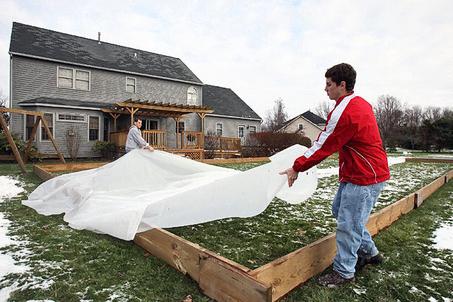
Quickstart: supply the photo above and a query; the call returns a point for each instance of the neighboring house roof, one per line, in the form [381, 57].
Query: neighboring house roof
[227, 103]
[50, 45]
[314, 118]
[45, 101]
[308, 116]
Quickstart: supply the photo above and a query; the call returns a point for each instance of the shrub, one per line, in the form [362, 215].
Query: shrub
[269, 143]
[5, 148]
[107, 149]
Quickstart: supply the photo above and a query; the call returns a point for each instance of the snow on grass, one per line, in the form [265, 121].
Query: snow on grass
[9, 188]
[443, 237]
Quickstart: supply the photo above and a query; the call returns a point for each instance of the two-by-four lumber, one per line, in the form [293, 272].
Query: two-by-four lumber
[49, 134]
[41, 173]
[429, 159]
[235, 160]
[219, 278]
[12, 144]
[426, 191]
[71, 167]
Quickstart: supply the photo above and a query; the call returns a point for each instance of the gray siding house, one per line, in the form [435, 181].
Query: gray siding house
[307, 123]
[77, 81]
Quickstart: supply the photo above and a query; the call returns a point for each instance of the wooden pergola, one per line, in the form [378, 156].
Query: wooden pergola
[146, 108]
[39, 118]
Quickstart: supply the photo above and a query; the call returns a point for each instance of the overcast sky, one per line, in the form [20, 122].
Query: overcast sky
[265, 50]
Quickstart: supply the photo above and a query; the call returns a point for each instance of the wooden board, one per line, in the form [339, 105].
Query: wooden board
[219, 278]
[288, 272]
[236, 160]
[70, 167]
[41, 173]
[429, 160]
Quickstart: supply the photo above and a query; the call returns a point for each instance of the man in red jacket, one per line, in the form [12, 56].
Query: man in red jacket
[352, 130]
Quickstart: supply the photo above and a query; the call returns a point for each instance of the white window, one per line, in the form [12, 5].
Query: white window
[219, 129]
[241, 131]
[66, 117]
[300, 127]
[73, 78]
[93, 128]
[131, 85]
[192, 95]
[252, 129]
[48, 117]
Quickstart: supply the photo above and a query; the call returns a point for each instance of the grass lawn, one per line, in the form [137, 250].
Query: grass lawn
[69, 265]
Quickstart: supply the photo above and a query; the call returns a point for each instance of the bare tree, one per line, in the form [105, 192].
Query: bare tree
[323, 108]
[432, 113]
[412, 120]
[3, 103]
[389, 112]
[73, 142]
[276, 117]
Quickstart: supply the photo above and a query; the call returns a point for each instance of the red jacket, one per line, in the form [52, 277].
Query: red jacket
[352, 130]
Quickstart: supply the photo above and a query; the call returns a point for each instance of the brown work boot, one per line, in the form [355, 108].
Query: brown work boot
[333, 280]
[363, 261]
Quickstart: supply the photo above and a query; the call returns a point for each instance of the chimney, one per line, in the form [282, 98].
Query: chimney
[99, 37]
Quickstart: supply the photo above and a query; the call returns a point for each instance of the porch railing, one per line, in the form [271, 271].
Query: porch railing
[189, 140]
[156, 138]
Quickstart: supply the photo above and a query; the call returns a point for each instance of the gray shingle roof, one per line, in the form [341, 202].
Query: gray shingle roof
[314, 118]
[64, 102]
[225, 102]
[49, 44]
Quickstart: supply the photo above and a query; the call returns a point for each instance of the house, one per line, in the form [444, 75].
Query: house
[92, 89]
[307, 123]
[232, 117]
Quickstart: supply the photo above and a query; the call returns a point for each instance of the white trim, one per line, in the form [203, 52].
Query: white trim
[330, 127]
[192, 101]
[71, 121]
[235, 117]
[10, 105]
[58, 106]
[363, 157]
[135, 84]
[74, 79]
[104, 68]
[99, 128]
[53, 127]
[243, 131]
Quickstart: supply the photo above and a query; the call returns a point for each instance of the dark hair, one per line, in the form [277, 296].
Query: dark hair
[137, 118]
[342, 72]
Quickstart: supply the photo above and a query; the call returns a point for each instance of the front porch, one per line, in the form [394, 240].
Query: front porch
[171, 138]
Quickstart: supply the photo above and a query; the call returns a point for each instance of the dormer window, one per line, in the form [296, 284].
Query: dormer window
[192, 95]
[131, 85]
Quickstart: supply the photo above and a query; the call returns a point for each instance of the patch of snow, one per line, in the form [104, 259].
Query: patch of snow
[443, 237]
[9, 187]
[359, 291]
[432, 299]
[392, 160]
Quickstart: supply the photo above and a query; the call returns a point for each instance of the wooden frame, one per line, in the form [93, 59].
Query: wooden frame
[39, 117]
[225, 280]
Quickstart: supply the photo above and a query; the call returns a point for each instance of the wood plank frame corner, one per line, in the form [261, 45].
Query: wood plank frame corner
[225, 280]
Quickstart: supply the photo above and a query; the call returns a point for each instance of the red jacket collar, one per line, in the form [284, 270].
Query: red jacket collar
[342, 97]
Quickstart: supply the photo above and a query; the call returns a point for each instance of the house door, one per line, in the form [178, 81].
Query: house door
[149, 124]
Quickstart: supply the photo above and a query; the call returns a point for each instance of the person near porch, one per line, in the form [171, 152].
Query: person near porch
[134, 137]
[351, 130]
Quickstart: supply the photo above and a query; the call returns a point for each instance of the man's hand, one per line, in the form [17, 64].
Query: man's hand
[291, 174]
[150, 148]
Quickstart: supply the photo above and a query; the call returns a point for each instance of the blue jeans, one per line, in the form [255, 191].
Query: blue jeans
[352, 207]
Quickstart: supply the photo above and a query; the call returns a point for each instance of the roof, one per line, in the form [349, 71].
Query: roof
[225, 102]
[308, 115]
[314, 118]
[63, 102]
[56, 46]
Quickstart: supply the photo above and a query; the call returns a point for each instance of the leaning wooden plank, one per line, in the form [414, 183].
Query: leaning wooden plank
[41, 173]
[287, 272]
[220, 278]
[12, 144]
[429, 189]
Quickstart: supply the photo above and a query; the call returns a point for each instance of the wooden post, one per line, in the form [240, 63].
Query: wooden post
[202, 116]
[132, 111]
[115, 117]
[32, 137]
[44, 123]
[177, 118]
[12, 144]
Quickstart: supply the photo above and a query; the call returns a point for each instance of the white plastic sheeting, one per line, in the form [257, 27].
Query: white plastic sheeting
[143, 189]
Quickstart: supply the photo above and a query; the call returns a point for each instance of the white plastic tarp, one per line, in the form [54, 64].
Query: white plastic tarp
[143, 189]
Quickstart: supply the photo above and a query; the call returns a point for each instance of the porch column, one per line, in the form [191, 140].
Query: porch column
[132, 111]
[177, 119]
[202, 116]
